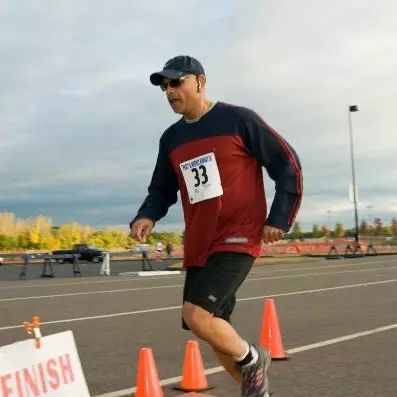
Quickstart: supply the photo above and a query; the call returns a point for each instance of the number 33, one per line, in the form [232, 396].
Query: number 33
[204, 176]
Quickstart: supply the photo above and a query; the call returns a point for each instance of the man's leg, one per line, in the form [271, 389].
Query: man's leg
[219, 279]
[229, 364]
[214, 330]
[225, 311]
[227, 361]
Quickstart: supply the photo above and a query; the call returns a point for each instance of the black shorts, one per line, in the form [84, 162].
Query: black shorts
[213, 286]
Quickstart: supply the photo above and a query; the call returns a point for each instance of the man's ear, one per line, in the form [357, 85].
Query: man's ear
[201, 83]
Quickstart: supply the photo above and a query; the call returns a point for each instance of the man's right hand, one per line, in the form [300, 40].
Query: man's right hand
[141, 229]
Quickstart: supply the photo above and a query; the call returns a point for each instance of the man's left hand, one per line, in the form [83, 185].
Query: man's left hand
[271, 234]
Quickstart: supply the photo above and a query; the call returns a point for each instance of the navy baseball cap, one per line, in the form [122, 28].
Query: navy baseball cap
[177, 67]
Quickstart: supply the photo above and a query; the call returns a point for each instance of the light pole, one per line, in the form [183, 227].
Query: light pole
[329, 220]
[353, 108]
[370, 207]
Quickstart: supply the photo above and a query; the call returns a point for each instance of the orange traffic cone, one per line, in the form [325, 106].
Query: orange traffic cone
[270, 334]
[148, 381]
[193, 375]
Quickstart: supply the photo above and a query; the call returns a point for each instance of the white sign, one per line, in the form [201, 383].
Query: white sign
[202, 178]
[53, 370]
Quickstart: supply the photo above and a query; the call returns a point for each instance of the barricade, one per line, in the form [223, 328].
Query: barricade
[333, 253]
[354, 250]
[371, 251]
[328, 248]
[47, 264]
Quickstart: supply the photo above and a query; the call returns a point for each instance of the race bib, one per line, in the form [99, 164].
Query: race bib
[202, 178]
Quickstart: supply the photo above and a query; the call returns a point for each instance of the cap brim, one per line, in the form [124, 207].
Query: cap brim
[157, 78]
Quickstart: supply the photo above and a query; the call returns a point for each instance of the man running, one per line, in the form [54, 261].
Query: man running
[214, 156]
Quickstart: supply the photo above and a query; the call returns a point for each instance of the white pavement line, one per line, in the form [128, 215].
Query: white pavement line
[159, 273]
[341, 339]
[181, 285]
[324, 267]
[159, 309]
[71, 320]
[300, 349]
[125, 279]
[89, 293]
[323, 273]
[315, 290]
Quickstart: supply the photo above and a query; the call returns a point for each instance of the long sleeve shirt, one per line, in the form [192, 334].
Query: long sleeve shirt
[216, 164]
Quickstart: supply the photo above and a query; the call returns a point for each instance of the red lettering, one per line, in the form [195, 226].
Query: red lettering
[34, 387]
[53, 373]
[42, 378]
[19, 384]
[5, 390]
[66, 369]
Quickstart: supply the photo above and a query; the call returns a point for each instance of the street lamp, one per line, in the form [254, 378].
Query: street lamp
[353, 108]
[370, 207]
[329, 220]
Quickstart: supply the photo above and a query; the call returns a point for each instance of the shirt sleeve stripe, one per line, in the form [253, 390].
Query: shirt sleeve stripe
[296, 167]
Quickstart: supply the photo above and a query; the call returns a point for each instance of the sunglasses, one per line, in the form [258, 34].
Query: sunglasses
[173, 83]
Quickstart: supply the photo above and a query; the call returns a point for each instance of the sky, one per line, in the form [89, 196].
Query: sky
[80, 121]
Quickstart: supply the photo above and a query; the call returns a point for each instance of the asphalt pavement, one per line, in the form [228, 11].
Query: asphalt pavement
[338, 321]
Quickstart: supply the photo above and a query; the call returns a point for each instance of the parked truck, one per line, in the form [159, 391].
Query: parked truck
[87, 252]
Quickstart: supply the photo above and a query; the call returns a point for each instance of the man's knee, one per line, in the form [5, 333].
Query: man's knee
[197, 319]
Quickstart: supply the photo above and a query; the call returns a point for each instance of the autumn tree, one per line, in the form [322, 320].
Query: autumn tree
[394, 226]
[69, 235]
[387, 231]
[85, 232]
[7, 223]
[39, 232]
[339, 230]
[364, 228]
[316, 231]
[296, 231]
[378, 226]
[8, 242]
[165, 237]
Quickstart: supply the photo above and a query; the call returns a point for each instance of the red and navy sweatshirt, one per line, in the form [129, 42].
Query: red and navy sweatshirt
[242, 143]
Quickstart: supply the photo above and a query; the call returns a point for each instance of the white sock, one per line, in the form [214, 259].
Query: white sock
[246, 351]
[249, 350]
[255, 356]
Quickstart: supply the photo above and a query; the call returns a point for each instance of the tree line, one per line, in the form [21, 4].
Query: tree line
[38, 233]
[378, 228]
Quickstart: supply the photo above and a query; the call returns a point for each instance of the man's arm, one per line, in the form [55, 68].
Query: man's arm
[163, 189]
[283, 166]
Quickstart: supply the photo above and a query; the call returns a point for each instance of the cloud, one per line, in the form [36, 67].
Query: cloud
[80, 121]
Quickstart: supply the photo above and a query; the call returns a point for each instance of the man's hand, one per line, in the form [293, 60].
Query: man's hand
[141, 228]
[271, 234]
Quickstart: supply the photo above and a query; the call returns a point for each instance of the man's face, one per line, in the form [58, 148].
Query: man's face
[182, 97]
